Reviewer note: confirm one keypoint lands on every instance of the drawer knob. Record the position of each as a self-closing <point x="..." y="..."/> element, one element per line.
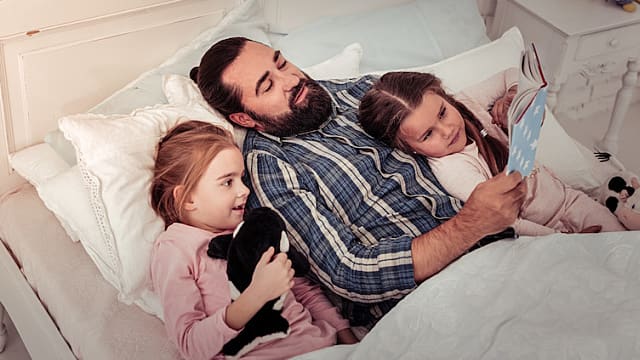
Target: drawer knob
<point x="614" y="43"/>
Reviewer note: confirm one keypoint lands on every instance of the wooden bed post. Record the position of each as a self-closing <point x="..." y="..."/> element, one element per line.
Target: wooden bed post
<point x="609" y="142"/>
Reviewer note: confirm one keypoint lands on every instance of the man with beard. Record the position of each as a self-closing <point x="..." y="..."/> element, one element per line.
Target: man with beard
<point x="373" y="221"/>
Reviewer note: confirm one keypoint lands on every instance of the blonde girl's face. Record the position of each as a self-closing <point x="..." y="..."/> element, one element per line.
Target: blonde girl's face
<point x="217" y="202"/>
<point x="435" y="128"/>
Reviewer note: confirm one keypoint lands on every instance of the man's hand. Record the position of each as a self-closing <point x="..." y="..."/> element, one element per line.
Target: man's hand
<point x="501" y="106"/>
<point x="495" y="204"/>
<point x="492" y="206"/>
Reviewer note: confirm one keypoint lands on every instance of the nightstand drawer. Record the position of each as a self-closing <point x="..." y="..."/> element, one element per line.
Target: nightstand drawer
<point x="608" y="41"/>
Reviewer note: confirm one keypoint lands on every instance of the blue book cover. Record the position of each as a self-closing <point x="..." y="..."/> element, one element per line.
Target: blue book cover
<point x="526" y="113"/>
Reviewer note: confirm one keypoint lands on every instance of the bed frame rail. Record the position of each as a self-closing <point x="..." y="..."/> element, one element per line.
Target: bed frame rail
<point x="39" y="334"/>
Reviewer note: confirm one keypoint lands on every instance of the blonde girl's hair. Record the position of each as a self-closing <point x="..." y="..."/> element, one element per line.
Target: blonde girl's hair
<point x="397" y="94"/>
<point x="182" y="157"/>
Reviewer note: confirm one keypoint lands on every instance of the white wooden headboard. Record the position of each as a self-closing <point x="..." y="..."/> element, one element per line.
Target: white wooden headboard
<point x="66" y="58"/>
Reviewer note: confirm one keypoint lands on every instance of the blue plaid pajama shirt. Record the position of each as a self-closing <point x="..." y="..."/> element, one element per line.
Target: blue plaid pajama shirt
<point x="351" y="204"/>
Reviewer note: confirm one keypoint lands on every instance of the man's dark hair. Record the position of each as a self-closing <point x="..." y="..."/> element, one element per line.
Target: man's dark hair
<point x="208" y="76"/>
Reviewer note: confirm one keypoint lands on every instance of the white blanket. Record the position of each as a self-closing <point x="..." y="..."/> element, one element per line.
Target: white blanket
<point x="554" y="297"/>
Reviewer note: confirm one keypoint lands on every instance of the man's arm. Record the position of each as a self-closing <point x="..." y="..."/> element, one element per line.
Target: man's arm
<point x="492" y="206"/>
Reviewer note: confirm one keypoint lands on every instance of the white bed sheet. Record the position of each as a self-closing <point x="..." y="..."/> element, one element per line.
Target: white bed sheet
<point x="83" y="305"/>
<point x="554" y="297"/>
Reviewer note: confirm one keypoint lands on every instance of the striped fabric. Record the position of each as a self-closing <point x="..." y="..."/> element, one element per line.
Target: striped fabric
<point x="351" y="204"/>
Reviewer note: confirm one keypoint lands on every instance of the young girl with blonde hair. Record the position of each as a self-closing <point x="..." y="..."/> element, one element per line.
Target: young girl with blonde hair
<point x="412" y="111"/>
<point x="198" y="192"/>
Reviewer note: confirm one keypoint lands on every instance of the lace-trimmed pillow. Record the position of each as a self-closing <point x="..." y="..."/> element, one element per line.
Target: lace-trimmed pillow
<point x="116" y="156"/>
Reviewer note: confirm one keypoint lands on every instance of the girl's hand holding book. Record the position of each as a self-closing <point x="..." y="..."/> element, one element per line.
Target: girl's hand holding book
<point x="500" y="107"/>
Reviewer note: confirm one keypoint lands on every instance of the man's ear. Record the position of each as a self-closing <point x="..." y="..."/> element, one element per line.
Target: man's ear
<point x="244" y="120"/>
<point x="178" y="193"/>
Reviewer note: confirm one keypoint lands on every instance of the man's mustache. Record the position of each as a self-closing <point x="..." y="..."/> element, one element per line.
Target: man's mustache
<point x="296" y="91"/>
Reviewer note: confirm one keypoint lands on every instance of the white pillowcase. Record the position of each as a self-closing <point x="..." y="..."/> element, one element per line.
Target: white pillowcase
<point x="343" y="65"/>
<point x="475" y="65"/>
<point x="38" y="164"/>
<point x="116" y="158"/>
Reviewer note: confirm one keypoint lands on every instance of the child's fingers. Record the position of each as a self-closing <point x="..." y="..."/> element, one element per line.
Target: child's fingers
<point x="281" y="258"/>
<point x="266" y="257"/>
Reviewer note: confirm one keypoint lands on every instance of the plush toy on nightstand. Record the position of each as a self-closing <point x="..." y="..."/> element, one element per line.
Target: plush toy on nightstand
<point x="627" y="5"/>
<point x="621" y="194"/>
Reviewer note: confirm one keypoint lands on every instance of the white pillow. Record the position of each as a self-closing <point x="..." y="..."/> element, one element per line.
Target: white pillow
<point x="566" y="157"/>
<point x="38" y="164"/>
<point x="61" y="189"/>
<point x="66" y="196"/>
<point x="116" y="158"/>
<point x="475" y="65"/>
<point x="244" y="20"/>
<point x="344" y="65"/>
<point x="411" y="34"/>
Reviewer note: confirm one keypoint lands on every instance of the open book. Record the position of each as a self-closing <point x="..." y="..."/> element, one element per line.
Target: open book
<point x="526" y="113"/>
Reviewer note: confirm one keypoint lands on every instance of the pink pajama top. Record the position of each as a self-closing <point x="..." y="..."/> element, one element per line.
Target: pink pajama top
<point x="194" y="292"/>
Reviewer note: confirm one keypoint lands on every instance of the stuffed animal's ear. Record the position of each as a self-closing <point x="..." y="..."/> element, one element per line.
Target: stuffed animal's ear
<point x="617" y="184"/>
<point x="611" y="203"/>
<point x="284" y="242"/>
<point x="219" y="246"/>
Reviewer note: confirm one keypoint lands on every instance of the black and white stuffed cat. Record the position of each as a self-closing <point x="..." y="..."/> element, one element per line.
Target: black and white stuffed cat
<point x="261" y="228"/>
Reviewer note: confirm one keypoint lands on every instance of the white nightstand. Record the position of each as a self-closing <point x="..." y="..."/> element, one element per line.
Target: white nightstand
<point x="584" y="46"/>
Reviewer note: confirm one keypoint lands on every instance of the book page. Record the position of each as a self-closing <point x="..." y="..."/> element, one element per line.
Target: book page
<point x="526" y="113"/>
<point x="523" y="141"/>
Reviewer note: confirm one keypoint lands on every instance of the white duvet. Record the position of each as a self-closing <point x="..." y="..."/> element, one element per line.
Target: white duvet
<point x="554" y="297"/>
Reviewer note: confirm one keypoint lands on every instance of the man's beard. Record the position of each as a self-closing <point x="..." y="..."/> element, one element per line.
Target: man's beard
<point x="307" y="116"/>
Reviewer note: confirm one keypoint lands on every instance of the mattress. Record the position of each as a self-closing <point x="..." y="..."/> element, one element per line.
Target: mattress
<point x="83" y="305"/>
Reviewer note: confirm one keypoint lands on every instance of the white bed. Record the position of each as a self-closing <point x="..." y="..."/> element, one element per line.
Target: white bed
<point x="563" y="296"/>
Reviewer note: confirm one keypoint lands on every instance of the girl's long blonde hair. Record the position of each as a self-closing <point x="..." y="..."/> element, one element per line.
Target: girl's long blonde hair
<point x="397" y="94"/>
<point x="182" y="157"/>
